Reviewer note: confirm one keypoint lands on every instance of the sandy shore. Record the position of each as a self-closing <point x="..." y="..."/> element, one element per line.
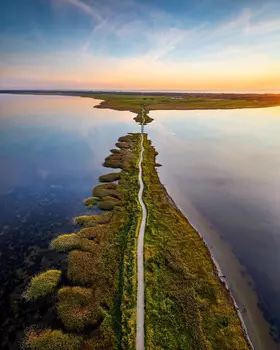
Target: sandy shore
<point x="232" y="274"/>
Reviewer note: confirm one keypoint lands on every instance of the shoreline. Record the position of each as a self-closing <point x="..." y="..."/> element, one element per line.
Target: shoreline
<point x="256" y="328"/>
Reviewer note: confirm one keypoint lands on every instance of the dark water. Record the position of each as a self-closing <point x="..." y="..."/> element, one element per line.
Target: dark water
<point x="51" y="154"/>
<point x="227" y="164"/>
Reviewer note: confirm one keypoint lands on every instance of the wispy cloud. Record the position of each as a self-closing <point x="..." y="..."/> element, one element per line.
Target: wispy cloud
<point x="85" y="7"/>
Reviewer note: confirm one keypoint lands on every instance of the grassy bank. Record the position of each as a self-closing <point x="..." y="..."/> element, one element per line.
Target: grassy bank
<point x="187" y="306"/>
<point x="96" y="298"/>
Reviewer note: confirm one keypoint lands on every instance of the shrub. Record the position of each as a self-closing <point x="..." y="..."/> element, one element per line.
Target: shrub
<point x="81" y="267"/>
<point x="109" y="177"/>
<point x="42" y="284"/>
<point x="65" y="242"/>
<point x="76" y="308"/>
<point x="52" y="340"/>
<point x="91" y="201"/>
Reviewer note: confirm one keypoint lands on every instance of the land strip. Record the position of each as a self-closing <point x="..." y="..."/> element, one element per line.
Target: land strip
<point x="132" y="101"/>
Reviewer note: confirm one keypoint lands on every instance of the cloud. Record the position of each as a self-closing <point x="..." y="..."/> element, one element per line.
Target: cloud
<point x="90" y="10"/>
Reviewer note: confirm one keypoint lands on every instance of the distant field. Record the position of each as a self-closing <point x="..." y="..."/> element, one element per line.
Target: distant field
<point x="132" y="101"/>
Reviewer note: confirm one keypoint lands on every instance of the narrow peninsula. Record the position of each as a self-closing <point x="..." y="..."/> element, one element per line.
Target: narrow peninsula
<point x="95" y="297"/>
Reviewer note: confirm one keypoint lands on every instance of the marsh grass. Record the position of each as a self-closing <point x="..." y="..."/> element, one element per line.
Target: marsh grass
<point x="52" y="340"/>
<point x="111" y="177"/>
<point x="91" y="201"/>
<point x="187" y="306"/>
<point x="77" y="308"/>
<point x="42" y="284"/>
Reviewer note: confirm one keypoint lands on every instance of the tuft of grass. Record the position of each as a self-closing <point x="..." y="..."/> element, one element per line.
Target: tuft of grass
<point x="81" y="267"/>
<point x="77" y="308"/>
<point x="52" y="340"/>
<point x="111" y="177"/>
<point x="66" y="242"/>
<point x="107" y="189"/>
<point x="108" y="203"/>
<point x="92" y="220"/>
<point x="43" y="284"/>
<point x="90" y="202"/>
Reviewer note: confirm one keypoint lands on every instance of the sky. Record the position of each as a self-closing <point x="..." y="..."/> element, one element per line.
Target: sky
<point x="140" y="44"/>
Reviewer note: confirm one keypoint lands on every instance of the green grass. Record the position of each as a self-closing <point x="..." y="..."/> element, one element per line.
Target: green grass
<point x="66" y="242"/>
<point x="134" y="102"/>
<point x="43" y="284"/>
<point x="187" y="306"/>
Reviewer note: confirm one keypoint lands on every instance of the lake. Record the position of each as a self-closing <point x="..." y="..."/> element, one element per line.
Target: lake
<point x="51" y="154"/>
<point x="222" y="168"/>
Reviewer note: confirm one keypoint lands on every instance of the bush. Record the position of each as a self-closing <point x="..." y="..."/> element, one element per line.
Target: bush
<point x="43" y="284"/>
<point x="65" y="242"/>
<point x="52" y="340"/>
<point x="81" y="266"/>
<point x="109" y="177"/>
<point x="91" y="201"/>
<point x="76" y="308"/>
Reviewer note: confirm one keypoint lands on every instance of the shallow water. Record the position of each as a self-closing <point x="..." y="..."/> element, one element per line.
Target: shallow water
<point x="226" y="164"/>
<point x="51" y="154"/>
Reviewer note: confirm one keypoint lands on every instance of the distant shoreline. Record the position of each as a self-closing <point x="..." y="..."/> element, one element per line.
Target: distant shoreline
<point x="132" y="101"/>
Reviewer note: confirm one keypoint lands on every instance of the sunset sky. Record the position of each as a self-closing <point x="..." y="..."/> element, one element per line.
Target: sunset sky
<point x="140" y="44"/>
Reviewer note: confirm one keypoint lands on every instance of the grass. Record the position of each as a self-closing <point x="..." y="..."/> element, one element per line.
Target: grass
<point x="92" y="220"/>
<point x="77" y="308"/>
<point x="134" y="102"/>
<point x="187" y="306"/>
<point x="107" y="189"/>
<point x="66" y="242"/>
<point x="108" y="203"/>
<point x="43" y="284"/>
<point x="143" y="118"/>
<point x="111" y="177"/>
<point x="51" y="340"/>
<point x="81" y="268"/>
<point x="90" y="202"/>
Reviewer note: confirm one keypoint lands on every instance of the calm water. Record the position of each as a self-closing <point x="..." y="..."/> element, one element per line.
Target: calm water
<point x="227" y="165"/>
<point x="51" y="154"/>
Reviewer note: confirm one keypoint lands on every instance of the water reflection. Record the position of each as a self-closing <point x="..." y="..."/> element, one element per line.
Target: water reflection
<point x="227" y="164"/>
<point x="51" y="154"/>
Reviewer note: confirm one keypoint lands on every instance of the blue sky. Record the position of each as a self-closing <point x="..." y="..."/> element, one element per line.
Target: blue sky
<point x="131" y="44"/>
